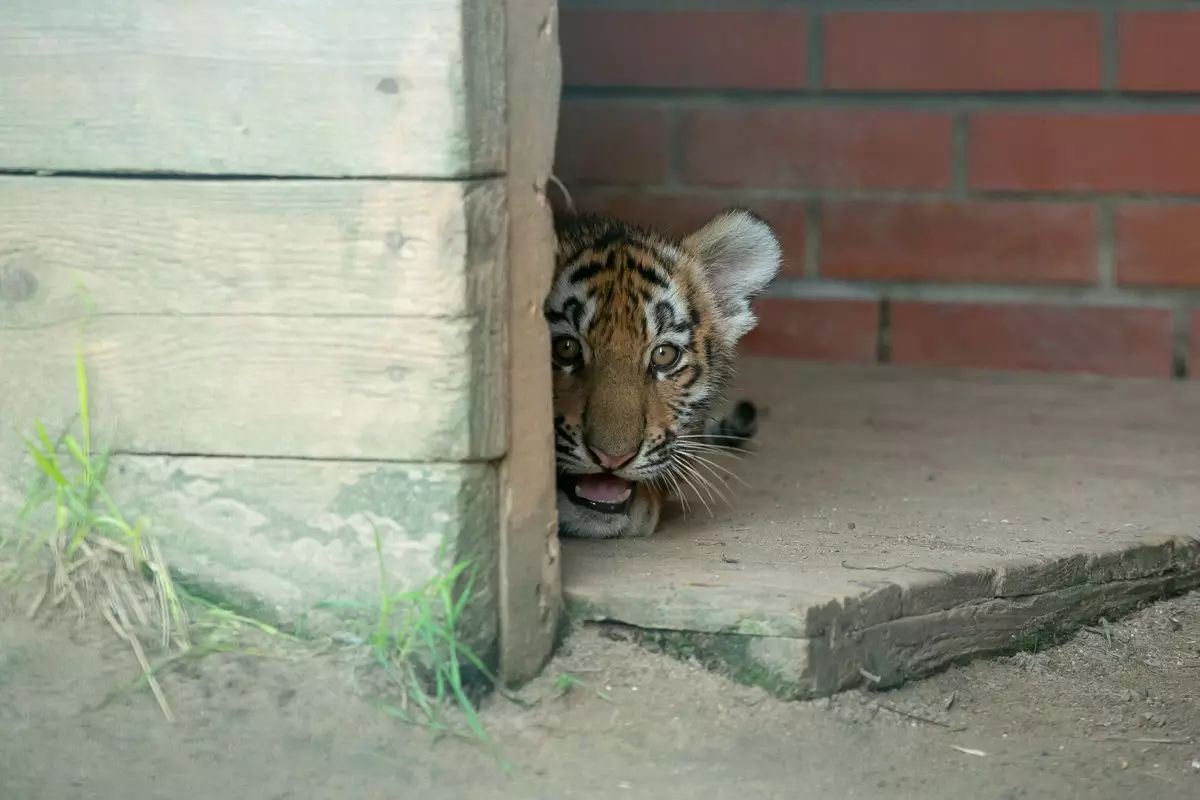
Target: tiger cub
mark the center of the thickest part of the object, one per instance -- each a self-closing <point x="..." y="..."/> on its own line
<point x="643" y="332"/>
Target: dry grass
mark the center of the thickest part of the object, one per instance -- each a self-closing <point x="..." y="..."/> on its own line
<point x="84" y="556"/>
<point x="89" y="557"/>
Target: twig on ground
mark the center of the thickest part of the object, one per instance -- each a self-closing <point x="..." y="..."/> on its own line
<point x="906" y="565"/>
<point x="1146" y="739"/>
<point x="920" y="717"/>
<point x="971" y="751"/>
<point x="848" y="565"/>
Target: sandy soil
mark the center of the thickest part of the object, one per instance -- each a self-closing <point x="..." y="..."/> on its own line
<point x="1109" y="714"/>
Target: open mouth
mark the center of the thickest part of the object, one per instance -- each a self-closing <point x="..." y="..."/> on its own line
<point x="607" y="494"/>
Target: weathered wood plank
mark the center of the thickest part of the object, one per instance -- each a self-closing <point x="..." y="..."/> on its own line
<point x="298" y="248"/>
<point x="393" y="388"/>
<point x="253" y="87"/>
<point x="275" y="537"/>
<point x="971" y="620"/>
<point x="530" y="575"/>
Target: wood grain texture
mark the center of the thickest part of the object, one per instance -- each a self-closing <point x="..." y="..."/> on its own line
<point x="902" y="627"/>
<point x="394" y="388"/>
<point x="359" y="248"/>
<point x="530" y="575"/>
<point x="411" y="88"/>
<point x="275" y="537"/>
<point x="1109" y="585"/>
<point x="320" y="319"/>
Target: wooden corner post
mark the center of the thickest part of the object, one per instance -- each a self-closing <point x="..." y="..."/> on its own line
<point x="530" y="585"/>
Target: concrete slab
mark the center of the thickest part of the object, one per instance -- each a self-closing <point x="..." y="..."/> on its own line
<point x="895" y="521"/>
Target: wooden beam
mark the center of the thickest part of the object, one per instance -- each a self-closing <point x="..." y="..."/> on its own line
<point x="275" y="537"/>
<point x="409" y="88"/>
<point x="293" y="248"/>
<point x="297" y="248"/>
<point x="391" y="388"/>
<point x="308" y="319"/>
<point x="530" y="585"/>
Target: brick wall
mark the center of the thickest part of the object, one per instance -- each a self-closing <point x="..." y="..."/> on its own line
<point x="1008" y="187"/>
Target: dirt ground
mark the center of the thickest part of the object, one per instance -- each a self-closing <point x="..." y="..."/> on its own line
<point x="1112" y="713"/>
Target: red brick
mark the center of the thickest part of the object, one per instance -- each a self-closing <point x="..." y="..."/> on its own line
<point x="962" y="52"/>
<point x="830" y="331"/>
<point x="1086" y="152"/>
<point x="818" y="148"/>
<point x="616" y="142"/>
<point x="1158" y="245"/>
<point x="1158" y="52"/>
<point x="678" y="214"/>
<point x="684" y="49"/>
<point x="992" y="242"/>
<point x="1131" y="342"/>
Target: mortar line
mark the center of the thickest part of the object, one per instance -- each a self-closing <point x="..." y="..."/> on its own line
<point x="674" y="177"/>
<point x="812" y="240"/>
<point x="1030" y="294"/>
<point x="799" y="193"/>
<point x="883" y="333"/>
<point x="1106" y="245"/>
<point x="1181" y="343"/>
<point x="960" y="158"/>
<point x="1066" y="101"/>
<point x="1110" y="55"/>
<point x="817" y="6"/>
<point x="816" y="52"/>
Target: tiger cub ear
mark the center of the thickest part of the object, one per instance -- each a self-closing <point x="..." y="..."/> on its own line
<point x="740" y="255"/>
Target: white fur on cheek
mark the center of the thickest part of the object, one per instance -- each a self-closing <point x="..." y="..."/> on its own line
<point x="740" y="256"/>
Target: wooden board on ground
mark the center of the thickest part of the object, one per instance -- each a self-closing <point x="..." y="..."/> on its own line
<point x="890" y="522"/>
<point x="410" y="88"/>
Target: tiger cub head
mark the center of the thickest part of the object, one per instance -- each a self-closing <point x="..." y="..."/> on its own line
<point x="643" y="331"/>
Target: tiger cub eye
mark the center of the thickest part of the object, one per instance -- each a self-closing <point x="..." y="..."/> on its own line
<point x="566" y="351"/>
<point x="665" y="355"/>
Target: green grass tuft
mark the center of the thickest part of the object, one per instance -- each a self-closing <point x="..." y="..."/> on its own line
<point x="415" y="639"/>
<point x="94" y="557"/>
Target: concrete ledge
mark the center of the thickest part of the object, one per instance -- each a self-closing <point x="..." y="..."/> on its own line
<point x="896" y="522"/>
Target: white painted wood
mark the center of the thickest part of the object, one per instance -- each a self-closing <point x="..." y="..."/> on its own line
<point x="296" y="248"/>
<point x="253" y="87"/>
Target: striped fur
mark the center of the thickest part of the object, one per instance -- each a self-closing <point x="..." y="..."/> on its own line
<point x="644" y="330"/>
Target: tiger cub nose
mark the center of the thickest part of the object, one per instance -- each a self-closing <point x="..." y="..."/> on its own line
<point x="610" y="461"/>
